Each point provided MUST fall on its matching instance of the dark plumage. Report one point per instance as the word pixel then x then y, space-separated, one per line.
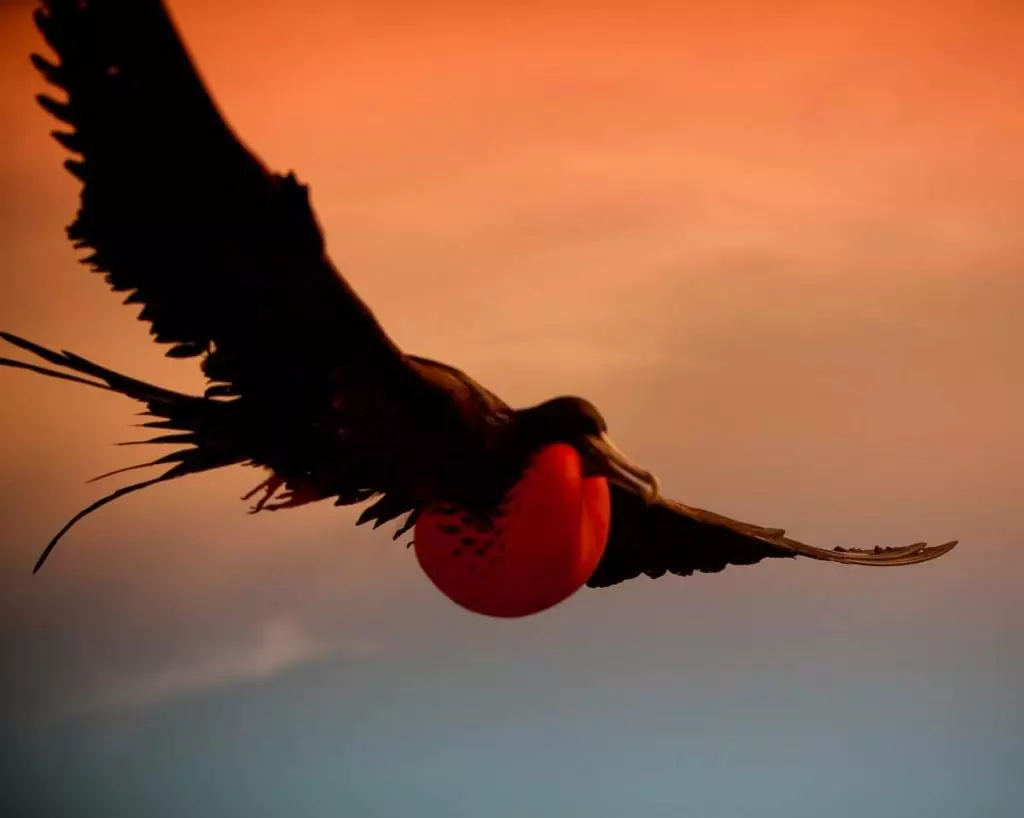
pixel 227 261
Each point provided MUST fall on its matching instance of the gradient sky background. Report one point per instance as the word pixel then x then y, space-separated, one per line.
pixel 779 244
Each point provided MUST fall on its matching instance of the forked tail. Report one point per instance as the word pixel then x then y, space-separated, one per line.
pixel 201 425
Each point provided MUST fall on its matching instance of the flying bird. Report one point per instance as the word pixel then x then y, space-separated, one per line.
pixel 227 260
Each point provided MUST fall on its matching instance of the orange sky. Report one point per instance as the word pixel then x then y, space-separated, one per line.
pixel 778 244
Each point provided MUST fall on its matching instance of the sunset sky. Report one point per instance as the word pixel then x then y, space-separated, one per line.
pixel 779 244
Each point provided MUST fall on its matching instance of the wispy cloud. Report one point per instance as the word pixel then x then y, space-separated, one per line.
pixel 274 647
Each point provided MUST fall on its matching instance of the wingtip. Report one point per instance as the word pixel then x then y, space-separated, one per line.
pixel 879 556
pixel 908 555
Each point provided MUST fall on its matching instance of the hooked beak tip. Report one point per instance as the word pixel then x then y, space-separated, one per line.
pixel 652 492
pixel 621 470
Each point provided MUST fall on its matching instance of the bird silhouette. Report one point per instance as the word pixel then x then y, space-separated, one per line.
pixel 227 260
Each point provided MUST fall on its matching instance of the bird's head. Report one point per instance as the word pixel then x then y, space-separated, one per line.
pixel 577 422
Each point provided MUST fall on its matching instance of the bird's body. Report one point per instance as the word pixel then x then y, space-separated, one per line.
pixel 228 262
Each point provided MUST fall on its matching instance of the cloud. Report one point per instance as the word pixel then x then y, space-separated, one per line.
pixel 274 647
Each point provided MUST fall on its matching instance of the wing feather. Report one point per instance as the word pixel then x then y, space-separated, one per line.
pixel 671 537
pixel 225 256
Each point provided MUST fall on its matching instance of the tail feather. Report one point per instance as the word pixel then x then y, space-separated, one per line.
pixel 140 390
pixel 173 457
pixel 200 423
pixel 52 373
pixel 85 512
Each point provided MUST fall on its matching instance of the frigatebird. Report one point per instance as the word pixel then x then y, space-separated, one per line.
pixel 227 260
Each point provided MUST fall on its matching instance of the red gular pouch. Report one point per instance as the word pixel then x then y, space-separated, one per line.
pixel 542 544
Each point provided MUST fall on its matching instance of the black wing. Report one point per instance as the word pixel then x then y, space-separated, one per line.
pixel 669 537
pixel 225 256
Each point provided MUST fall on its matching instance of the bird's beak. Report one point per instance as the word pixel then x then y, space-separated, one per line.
pixel 609 462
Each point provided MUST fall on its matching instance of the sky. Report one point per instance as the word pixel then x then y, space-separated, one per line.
pixel 777 243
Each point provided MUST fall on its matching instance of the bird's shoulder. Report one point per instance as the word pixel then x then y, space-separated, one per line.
pixel 468 400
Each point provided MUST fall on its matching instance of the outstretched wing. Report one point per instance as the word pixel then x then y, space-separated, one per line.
pixel 225 256
pixel 669 537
